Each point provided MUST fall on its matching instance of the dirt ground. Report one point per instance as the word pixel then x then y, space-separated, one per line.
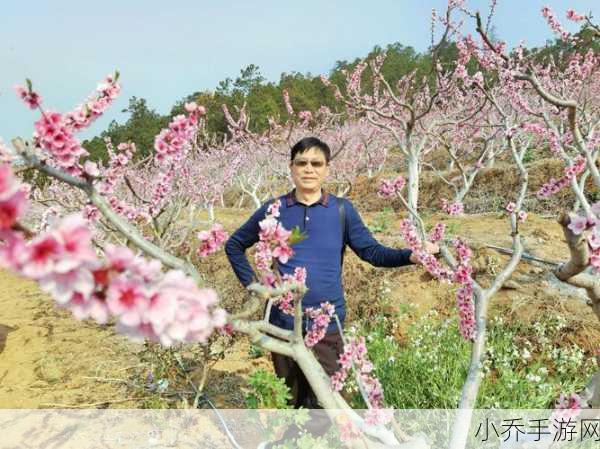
pixel 49 359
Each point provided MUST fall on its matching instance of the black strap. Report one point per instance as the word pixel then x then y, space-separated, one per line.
pixel 342 211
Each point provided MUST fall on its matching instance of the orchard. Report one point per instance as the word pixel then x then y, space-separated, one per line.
pixel 491 154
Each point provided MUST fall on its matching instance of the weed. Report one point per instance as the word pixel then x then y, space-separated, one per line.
pixel 523 368
pixel 266 390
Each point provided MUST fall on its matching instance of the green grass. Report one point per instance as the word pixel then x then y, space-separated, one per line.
pixel 524 367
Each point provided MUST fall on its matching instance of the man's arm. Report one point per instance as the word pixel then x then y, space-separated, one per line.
pixel 240 241
pixel 367 248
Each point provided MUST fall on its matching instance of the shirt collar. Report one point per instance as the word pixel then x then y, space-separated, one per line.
pixel 290 199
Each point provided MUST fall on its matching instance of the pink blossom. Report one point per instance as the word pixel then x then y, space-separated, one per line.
pixel 305 116
pixel 62 286
pixel 12 250
pixel 92 307
pixel 462 274
pixel 273 209
pixel 594 239
pixel 76 240
pixel 389 188
pixel 577 224
pixel 30 98
pixel 437 234
pixel 119 257
pixel 300 274
pixel 522 216
pixel 282 253
pixel 126 299
pixel 321 318
pixel 377 416
pixel 567 408
pixel 42 254
pixel 8 183
pixel 286 101
pixel 54 135
pixel 348 431
pixel 456 208
pixel 211 240
pixel 91 168
pixel 12 208
pixel 572 15
pixel 466 311
pixel 148 270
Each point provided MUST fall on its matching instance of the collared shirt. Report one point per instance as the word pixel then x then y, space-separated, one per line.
pixel 320 253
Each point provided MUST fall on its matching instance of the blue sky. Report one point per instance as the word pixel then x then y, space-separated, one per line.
pixel 166 50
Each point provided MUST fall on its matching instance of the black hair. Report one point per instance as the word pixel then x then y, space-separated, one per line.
pixel 311 142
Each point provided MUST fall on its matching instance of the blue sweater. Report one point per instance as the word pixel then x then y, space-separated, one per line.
pixel 320 253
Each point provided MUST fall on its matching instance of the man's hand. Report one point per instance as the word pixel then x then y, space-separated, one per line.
pixel 429 247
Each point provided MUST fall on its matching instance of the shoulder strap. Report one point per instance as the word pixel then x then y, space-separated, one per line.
pixel 342 212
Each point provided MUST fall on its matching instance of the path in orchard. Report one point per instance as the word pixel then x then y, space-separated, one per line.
pixel 49 359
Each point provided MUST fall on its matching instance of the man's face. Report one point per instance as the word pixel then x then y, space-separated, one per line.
pixel 309 170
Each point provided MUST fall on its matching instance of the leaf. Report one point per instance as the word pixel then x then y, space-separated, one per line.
pixel 297 236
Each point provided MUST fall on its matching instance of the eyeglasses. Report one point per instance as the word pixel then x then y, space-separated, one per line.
pixel 301 163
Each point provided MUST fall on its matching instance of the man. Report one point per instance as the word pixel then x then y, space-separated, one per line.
pixel 317 214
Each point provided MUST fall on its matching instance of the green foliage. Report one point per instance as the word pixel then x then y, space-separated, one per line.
pixel 383 220
pixel 526 366
pixel 528 156
pixel 266 390
pixel 451 229
pixel 296 236
pixel 254 352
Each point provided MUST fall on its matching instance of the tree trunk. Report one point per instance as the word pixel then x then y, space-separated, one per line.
pixel 413 181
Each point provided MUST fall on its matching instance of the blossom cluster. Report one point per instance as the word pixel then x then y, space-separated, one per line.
pixel 431 264
pixel 13 199
pixel 574 16
pixel 567 408
pixel 211 240
pixel 348 430
pixel 273 240
pixel 388 188
pixel 321 317
pixel 32 99
pixel 171 143
pixel 456 208
pixel 55 132
pixel 555 24
pixel 144 301
pixel 285 302
pixel 554 186
pixel 109 178
pixel 355 357
pixel 95 104
pixel 437 233
pixel 591 225
pixel 511 208
pixel 274 246
pixel 461 275
pixel 464 295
